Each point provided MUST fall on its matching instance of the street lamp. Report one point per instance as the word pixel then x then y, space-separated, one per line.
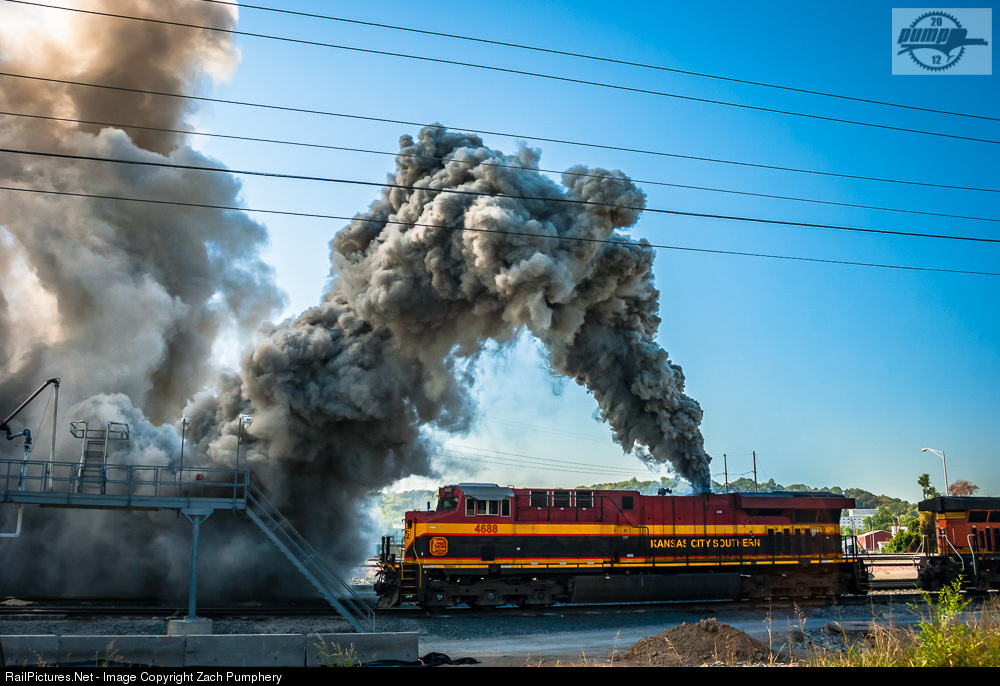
pixel 185 420
pixel 247 420
pixel 940 453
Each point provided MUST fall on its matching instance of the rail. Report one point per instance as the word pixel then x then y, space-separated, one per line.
pixel 335 590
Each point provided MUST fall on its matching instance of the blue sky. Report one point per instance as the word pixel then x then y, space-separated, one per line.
pixel 832 374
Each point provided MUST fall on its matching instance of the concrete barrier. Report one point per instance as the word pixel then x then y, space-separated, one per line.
pixel 226 650
pixel 154 651
pixel 246 650
pixel 343 649
pixel 29 651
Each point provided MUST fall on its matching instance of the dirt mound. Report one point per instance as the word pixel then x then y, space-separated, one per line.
pixel 706 642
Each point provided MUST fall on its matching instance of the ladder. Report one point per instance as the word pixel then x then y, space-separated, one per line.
pixel 409 582
pixel 335 590
pixel 91 475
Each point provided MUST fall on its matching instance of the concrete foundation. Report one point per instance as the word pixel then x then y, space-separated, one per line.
pixel 232 650
pixel 189 627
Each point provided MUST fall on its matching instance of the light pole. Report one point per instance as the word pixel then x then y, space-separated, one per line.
pixel 248 420
pixel 940 453
pixel 185 420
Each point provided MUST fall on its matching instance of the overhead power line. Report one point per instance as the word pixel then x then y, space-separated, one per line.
pixel 490 452
pixel 597 146
pixel 322 146
pixel 518 72
pixel 456 191
pixel 529 462
pixel 598 58
pixel 579 239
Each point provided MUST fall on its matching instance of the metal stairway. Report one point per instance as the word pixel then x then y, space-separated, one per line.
pixel 94 457
pixel 337 592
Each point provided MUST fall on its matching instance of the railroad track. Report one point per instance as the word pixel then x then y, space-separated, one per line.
pixel 57 609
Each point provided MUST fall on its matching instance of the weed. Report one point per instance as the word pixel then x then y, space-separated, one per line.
pixel 112 658
pixel 947 636
pixel 945 641
pixel 337 656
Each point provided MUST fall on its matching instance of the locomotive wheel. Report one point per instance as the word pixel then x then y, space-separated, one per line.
pixel 437 600
pixel 487 601
pixel 539 599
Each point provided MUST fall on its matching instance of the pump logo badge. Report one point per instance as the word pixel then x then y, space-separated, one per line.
pixel 438 546
pixel 936 41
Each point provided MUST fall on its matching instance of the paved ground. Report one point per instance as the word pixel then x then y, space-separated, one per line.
pixel 509 637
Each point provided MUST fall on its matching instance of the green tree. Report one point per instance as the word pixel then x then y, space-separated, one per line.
pixel 394 506
pixel 924 481
pixel 882 519
pixel 906 540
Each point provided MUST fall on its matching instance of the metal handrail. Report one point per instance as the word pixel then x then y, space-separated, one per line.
pixel 961 560
pixel 972 554
pixel 307 556
pixel 125 480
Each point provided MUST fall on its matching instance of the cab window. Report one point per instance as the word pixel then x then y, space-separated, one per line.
pixel 487 508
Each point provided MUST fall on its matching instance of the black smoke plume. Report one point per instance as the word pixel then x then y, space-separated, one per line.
pixel 420 284
pixel 467 248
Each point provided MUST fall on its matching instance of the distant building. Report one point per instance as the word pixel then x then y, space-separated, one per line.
pixel 855 519
pixel 873 541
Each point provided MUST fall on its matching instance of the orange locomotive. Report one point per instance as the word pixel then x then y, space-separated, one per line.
pixel 967 538
pixel 488 545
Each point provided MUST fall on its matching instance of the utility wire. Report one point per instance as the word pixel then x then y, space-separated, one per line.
pixel 597 58
pixel 579 469
pixel 489 452
pixel 580 239
pixel 306 144
pixel 598 146
pixel 518 72
pixel 456 191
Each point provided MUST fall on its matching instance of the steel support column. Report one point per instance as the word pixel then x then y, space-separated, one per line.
pixel 196 517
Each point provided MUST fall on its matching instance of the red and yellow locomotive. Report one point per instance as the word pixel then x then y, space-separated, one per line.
pixel 487 545
pixel 967 544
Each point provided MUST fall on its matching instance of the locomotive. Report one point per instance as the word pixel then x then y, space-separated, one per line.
pixel 487 545
pixel 967 538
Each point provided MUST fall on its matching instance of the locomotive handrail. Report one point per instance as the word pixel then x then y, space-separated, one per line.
pixel 972 553
pixel 961 560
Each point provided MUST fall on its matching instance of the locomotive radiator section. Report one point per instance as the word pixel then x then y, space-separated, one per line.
pixel 487 545
pixel 965 546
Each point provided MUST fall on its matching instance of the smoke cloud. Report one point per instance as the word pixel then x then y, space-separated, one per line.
pixel 122 300
pixel 420 284
pixel 467 249
pixel 135 294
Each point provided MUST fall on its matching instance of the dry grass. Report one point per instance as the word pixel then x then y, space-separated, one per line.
pixel 947 636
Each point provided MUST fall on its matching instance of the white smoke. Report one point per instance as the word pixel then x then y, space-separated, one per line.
pixel 122 300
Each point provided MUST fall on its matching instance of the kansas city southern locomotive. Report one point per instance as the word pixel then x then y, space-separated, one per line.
pixel 487 545
pixel 967 541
